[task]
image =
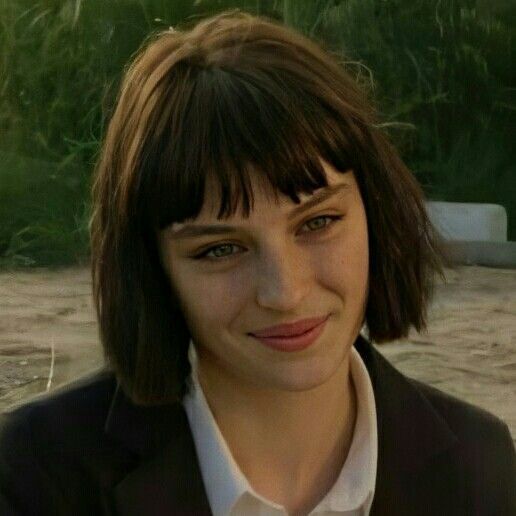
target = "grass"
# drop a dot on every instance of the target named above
(440, 71)
(44, 212)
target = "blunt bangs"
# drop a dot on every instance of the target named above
(234, 125)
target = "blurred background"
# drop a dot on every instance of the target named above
(442, 73)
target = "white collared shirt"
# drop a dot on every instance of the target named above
(228, 490)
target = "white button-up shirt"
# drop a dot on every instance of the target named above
(228, 490)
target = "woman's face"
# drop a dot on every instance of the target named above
(278, 266)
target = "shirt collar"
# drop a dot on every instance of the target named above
(226, 484)
(224, 481)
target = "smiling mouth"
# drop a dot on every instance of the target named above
(290, 330)
(291, 336)
(296, 341)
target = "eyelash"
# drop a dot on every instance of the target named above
(203, 255)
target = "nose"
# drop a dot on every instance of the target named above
(282, 279)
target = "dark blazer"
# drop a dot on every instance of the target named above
(87, 450)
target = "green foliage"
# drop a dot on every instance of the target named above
(44, 212)
(441, 72)
(444, 84)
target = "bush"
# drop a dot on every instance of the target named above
(440, 71)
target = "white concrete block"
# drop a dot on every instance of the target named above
(469, 221)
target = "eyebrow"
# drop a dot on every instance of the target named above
(197, 230)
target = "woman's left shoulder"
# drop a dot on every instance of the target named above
(484, 452)
(460, 415)
(482, 437)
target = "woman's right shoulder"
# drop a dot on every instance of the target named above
(84, 400)
(53, 420)
(44, 441)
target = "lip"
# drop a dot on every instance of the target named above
(295, 342)
(291, 329)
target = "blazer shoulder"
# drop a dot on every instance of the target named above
(42, 443)
(82, 394)
(463, 418)
(71, 408)
(486, 451)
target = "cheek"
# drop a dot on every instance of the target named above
(344, 265)
(209, 301)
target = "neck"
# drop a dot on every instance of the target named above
(290, 445)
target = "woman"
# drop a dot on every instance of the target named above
(250, 219)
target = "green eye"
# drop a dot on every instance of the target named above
(217, 252)
(318, 220)
(220, 252)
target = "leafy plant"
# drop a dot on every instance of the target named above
(441, 73)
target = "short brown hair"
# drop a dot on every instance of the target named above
(232, 93)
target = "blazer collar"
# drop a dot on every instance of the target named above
(167, 479)
(410, 434)
(415, 475)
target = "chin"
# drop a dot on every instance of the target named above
(300, 379)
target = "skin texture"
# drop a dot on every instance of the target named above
(288, 418)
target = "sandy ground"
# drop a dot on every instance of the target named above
(48, 336)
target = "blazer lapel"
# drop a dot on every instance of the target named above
(168, 478)
(415, 474)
